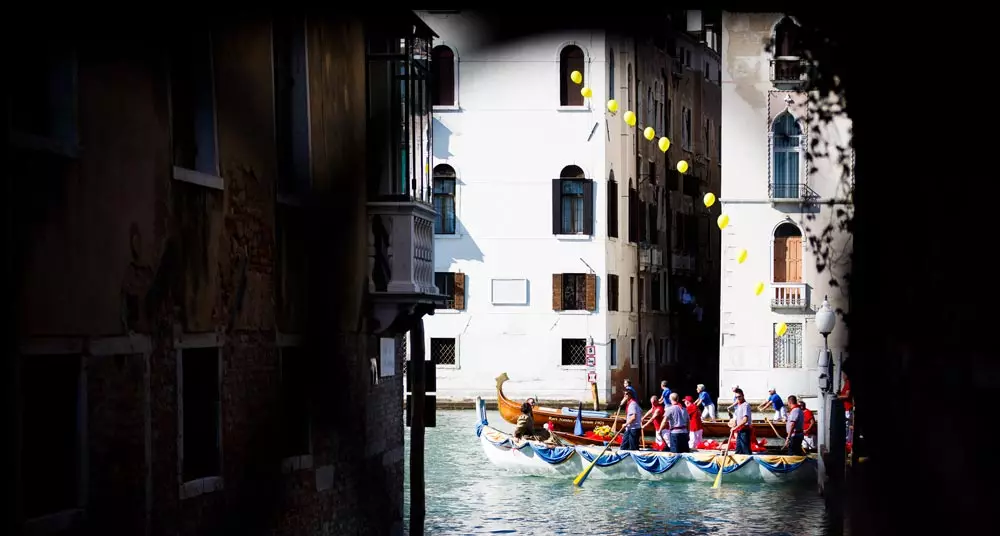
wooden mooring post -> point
(418, 385)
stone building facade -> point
(199, 350)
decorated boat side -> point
(540, 459)
(564, 419)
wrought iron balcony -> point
(788, 296)
(791, 192)
(788, 71)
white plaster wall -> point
(507, 141)
(747, 320)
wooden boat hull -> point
(538, 459)
(510, 410)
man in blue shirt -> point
(629, 389)
(705, 402)
(774, 401)
(794, 428)
(665, 396)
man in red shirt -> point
(655, 414)
(809, 420)
(694, 424)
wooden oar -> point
(614, 423)
(773, 428)
(725, 456)
(578, 481)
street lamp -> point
(826, 320)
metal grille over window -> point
(443, 351)
(788, 347)
(402, 351)
(574, 352)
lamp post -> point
(826, 320)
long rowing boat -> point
(540, 459)
(564, 419)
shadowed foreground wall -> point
(123, 269)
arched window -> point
(611, 73)
(442, 76)
(612, 206)
(788, 67)
(786, 159)
(572, 203)
(786, 35)
(570, 59)
(444, 199)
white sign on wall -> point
(509, 292)
(387, 351)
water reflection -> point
(468, 495)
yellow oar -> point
(578, 481)
(722, 464)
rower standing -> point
(705, 403)
(665, 393)
(794, 427)
(742, 423)
(630, 435)
(676, 420)
(628, 387)
(774, 401)
(694, 423)
(809, 423)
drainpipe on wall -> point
(640, 351)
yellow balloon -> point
(782, 328)
(576, 77)
(723, 221)
(649, 133)
(664, 144)
(759, 288)
(586, 92)
(709, 199)
(612, 106)
(742, 256)
(630, 118)
(682, 166)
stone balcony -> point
(788, 296)
(401, 263)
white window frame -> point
(457, 106)
(199, 486)
(613, 362)
(586, 106)
(802, 341)
(430, 356)
(799, 148)
(208, 180)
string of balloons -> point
(682, 167)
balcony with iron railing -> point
(789, 296)
(790, 193)
(400, 205)
(788, 71)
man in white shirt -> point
(741, 423)
(632, 427)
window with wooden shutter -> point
(451, 284)
(557, 289)
(458, 295)
(590, 290)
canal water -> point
(468, 495)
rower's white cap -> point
(773, 390)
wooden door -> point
(780, 259)
(793, 259)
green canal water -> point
(468, 495)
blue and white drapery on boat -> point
(536, 458)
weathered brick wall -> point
(178, 258)
(116, 443)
